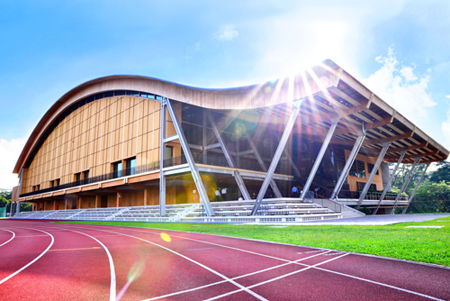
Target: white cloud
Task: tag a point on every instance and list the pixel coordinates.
(9, 153)
(448, 96)
(402, 87)
(226, 33)
(408, 74)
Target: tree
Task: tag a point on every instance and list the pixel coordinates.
(442, 173)
(431, 197)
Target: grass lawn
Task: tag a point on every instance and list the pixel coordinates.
(430, 245)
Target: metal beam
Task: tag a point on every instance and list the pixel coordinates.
(237, 176)
(215, 145)
(241, 185)
(204, 139)
(171, 138)
(350, 160)
(276, 158)
(162, 155)
(273, 184)
(221, 142)
(388, 184)
(189, 158)
(319, 158)
(405, 184)
(373, 173)
(415, 189)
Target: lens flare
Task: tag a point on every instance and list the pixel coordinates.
(166, 237)
(135, 272)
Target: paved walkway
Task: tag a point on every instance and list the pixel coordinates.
(379, 219)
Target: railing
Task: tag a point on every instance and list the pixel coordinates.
(330, 204)
(101, 178)
(390, 196)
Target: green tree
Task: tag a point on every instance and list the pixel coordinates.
(442, 173)
(431, 197)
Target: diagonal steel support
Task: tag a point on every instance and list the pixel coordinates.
(189, 158)
(326, 142)
(405, 184)
(162, 157)
(263, 166)
(241, 185)
(350, 160)
(276, 158)
(373, 173)
(415, 188)
(389, 183)
(225, 151)
(289, 158)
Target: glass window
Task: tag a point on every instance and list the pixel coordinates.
(77, 177)
(358, 169)
(131, 166)
(119, 92)
(109, 94)
(133, 93)
(370, 167)
(86, 174)
(158, 97)
(57, 182)
(117, 170)
(99, 96)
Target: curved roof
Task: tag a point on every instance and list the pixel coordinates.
(329, 91)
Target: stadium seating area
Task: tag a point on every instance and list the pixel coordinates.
(271, 210)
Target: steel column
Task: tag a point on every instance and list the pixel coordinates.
(415, 189)
(388, 184)
(350, 160)
(187, 152)
(263, 166)
(276, 158)
(162, 155)
(221, 142)
(241, 185)
(405, 184)
(291, 162)
(204, 139)
(319, 158)
(373, 173)
(224, 148)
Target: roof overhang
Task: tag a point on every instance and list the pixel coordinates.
(329, 91)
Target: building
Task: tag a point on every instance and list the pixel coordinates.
(120, 141)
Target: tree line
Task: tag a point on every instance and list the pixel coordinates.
(433, 194)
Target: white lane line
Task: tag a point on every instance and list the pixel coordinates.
(326, 270)
(112, 289)
(13, 235)
(201, 249)
(234, 278)
(20, 236)
(34, 260)
(379, 283)
(276, 278)
(191, 260)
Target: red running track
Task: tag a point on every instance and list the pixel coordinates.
(48, 261)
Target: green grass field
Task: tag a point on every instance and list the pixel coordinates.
(430, 245)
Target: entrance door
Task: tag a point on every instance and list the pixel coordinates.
(104, 201)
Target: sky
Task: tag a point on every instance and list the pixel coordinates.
(398, 49)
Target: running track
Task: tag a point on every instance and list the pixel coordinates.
(48, 261)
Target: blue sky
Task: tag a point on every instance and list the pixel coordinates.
(399, 49)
